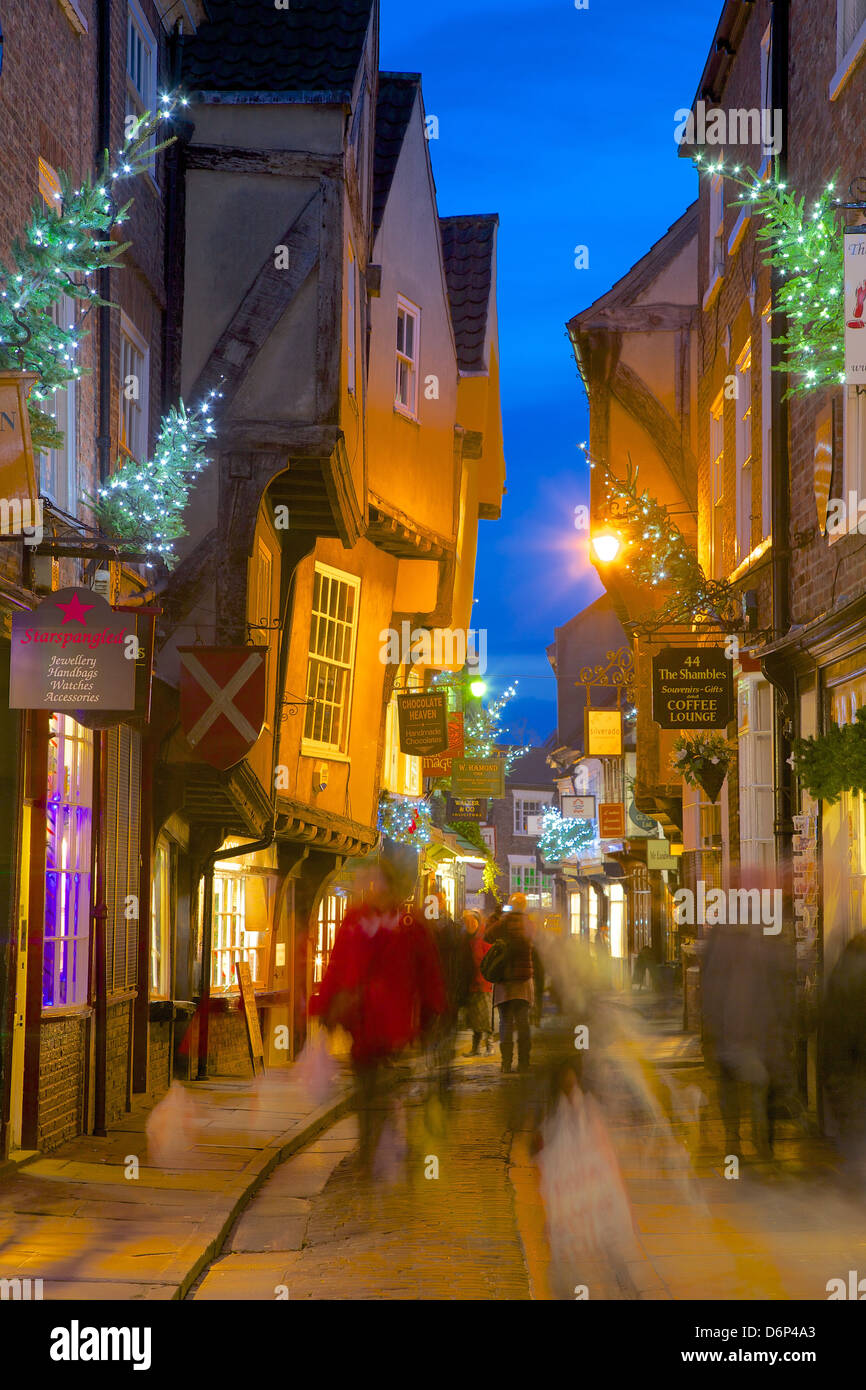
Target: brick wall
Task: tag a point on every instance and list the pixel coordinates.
(117, 1028)
(61, 1080)
(228, 1049)
(159, 1068)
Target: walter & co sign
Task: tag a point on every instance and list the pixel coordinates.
(693, 688)
(73, 652)
(423, 723)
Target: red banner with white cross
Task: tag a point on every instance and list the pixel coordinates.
(222, 701)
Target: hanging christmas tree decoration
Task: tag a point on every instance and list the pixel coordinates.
(143, 503)
(405, 820)
(805, 243)
(61, 250)
(563, 837)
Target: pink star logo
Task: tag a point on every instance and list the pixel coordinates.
(75, 610)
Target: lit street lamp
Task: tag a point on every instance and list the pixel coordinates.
(606, 546)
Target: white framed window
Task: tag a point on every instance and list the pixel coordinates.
(850, 41)
(717, 228)
(743, 381)
(161, 899)
(488, 835)
(408, 326)
(134, 391)
(351, 327)
(69, 820)
(766, 421)
(529, 804)
(331, 659)
(524, 877)
(717, 488)
(574, 913)
(755, 750)
(57, 467)
(141, 66)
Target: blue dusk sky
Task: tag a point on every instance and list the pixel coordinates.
(562, 121)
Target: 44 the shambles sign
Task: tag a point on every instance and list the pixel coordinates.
(73, 652)
(423, 723)
(693, 688)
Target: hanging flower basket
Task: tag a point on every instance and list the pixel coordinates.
(703, 761)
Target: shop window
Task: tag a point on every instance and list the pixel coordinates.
(244, 892)
(333, 631)
(332, 910)
(445, 884)
(161, 902)
(122, 822)
(616, 934)
(401, 772)
(592, 913)
(69, 818)
(523, 877)
(641, 909)
(755, 750)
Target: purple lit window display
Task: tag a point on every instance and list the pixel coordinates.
(67, 863)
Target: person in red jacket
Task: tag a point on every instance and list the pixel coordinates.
(383, 985)
(478, 1009)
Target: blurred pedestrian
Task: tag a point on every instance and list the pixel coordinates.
(844, 1052)
(478, 1009)
(383, 985)
(458, 968)
(746, 1027)
(513, 995)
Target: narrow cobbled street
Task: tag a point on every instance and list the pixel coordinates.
(324, 1230)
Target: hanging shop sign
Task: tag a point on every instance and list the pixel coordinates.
(578, 807)
(855, 305)
(73, 652)
(658, 855)
(222, 701)
(423, 722)
(693, 688)
(439, 765)
(478, 777)
(144, 626)
(611, 820)
(602, 733)
(466, 808)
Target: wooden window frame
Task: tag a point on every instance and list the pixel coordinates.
(409, 312)
(311, 746)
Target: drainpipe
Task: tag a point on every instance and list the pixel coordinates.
(103, 441)
(207, 935)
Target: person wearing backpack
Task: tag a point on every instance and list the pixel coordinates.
(509, 967)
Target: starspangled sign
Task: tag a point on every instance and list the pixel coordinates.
(222, 701)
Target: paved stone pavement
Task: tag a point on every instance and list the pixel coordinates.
(320, 1229)
(93, 1226)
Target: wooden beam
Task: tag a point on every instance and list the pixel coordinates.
(235, 159)
(262, 307)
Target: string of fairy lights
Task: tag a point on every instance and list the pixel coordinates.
(805, 243)
(62, 249)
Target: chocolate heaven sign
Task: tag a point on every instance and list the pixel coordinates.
(423, 723)
(71, 653)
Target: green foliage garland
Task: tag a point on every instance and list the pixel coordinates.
(834, 762)
(658, 555)
(471, 831)
(806, 245)
(59, 253)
